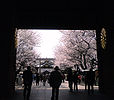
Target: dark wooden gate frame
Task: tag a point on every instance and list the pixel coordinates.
(63, 18)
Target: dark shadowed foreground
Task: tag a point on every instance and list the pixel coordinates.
(44, 93)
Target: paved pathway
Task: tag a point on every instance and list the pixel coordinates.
(44, 93)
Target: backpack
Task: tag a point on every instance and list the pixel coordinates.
(55, 79)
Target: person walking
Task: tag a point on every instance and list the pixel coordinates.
(90, 81)
(55, 80)
(70, 79)
(75, 80)
(27, 79)
(37, 79)
(44, 79)
(85, 80)
(79, 78)
(63, 79)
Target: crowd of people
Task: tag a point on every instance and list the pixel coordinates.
(55, 78)
(75, 78)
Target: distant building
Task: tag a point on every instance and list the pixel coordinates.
(45, 65)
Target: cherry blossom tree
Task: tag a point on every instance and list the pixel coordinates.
(25, 53)
(77, 48)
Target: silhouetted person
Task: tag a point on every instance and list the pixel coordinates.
(55, 80)
(79, 78)
(27, 78)
(41, 77)
(90, 81)
(85, 80)
(75, 80)
(70, 79)
(16, 73)
(37, 79)
(96, 77)
(63, 79)
(44, 79)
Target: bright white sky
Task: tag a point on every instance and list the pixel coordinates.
(49, 40)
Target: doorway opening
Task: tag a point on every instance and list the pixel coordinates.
(42, 49)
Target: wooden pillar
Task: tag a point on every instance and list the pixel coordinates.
(7, 57)
(109, 62)
(105, 60)
(100, 55)
(11, 59)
